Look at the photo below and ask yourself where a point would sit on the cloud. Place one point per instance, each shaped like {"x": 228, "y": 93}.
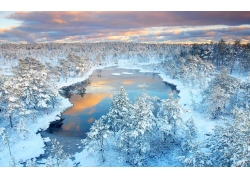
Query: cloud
{"x": 88, "y": 26}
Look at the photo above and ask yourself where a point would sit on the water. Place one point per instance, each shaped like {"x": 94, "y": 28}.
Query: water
{"x": 92, "y": 100}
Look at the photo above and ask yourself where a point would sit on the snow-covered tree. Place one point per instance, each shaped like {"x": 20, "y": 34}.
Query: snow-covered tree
{"x": 216, "y": 102}
{"x": 1, "y": 93}
{"x": 22, "y": 128}
{"x": 120, "y": 110}
{"x": 169, "y": 117}
{"x": 58, "y": 157}
{"x": 196, "y": 157}
{"x": 96, "y": 140}
{"x": 34, "y": 78}
{"x": 5, "y": 139}
{"x": 13, "y": 162}
{"x": 229, "y": 144}
{"x": 140, "y": 131}
{"x": 190, "y": 135}
{"x": 216, "y": 96}
{"x": 65, "y": 68}
{"x": 31, "y": 163}
{"x": 12, "y": 95}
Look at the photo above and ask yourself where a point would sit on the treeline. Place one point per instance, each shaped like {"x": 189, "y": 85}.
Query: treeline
{"x": 221, "y": 54}
{"x": 234, "y": 56}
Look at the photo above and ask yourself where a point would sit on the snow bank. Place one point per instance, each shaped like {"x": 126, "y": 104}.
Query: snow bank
{"x": 33, "y": 145}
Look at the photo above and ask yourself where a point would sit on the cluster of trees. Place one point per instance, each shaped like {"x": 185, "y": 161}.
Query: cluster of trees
{"x": 228, "y": 146}
{"x": 103, "y": 52}
{"x": 234, "y": 56}
{"x": 28, "y": 92}
{"x": 191, "y": 70}
{"x": 137, "y": 133}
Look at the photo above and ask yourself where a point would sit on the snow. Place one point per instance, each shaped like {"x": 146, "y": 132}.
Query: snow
{"x": 126, "y": 73}
{"x": 47, "y": 139}
{"x": 116, "y": 74}
{"x": 33, "y": 145}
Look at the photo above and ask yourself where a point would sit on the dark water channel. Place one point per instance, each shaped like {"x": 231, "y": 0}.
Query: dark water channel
{"x": 91, "y": 100}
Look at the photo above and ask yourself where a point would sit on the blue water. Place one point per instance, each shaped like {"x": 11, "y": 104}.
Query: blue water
{"x": 96, "y": 101}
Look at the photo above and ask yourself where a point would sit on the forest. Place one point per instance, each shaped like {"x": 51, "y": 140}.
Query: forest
{"x": 214, "y": 84}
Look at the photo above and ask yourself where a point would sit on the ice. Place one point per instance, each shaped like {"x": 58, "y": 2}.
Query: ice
{"x": 116, "y": 74}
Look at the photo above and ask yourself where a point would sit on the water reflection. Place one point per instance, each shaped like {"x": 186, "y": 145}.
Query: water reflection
{"x": 95, "y": 101}
{"x": 87, "y": 101}
{"x": 91, "y": 120}
{"x": 127, "y": 82}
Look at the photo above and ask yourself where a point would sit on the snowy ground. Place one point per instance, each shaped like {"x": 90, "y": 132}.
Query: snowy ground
{"x": 33, "y": 145}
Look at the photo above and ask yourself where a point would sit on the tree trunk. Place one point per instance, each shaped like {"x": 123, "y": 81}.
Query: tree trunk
{"x": 11, "y": 122}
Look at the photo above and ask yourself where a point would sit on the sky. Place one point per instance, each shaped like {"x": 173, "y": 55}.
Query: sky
{"x": 32, "y": 26}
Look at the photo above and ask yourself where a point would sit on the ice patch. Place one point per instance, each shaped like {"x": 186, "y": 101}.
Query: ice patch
{"x": 116, "y": 74}
{"x": 126, "y": 73}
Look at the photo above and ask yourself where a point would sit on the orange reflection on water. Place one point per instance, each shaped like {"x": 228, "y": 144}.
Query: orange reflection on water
{"x": 90, "y": 120}
{"x": 91, "y": 111}
{"x": 87, "y": 101}
{"x": 99, "y": 83}
{"x": 127, "y": 82}
{"x": 72, "y": 125}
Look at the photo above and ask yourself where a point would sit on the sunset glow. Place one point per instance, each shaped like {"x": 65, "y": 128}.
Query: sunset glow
{"x": 125, "y": 26}
{"x": 88, "y": 101}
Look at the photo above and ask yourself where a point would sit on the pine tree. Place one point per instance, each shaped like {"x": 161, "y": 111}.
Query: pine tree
{"x": 31, "y": 163}
{"x": 22, "y": 128}
{"x": 190, "y": 135}
{"x": 216, "y": 96}
{"x": 119, "y": 111}
{"x": 196, "y": 157}
{"x": 34, "y": 78}
{"x": 5, "y": 139}
{"x": 141, "y": 130}
{"x": 216, "y": 102}
{"x": 12, "y": 95}
{"x": 58, "y": 157}
{"x": 65, "y": 68}
{"x": 96, "y": 139}
{"x": 169, "y": 115}
{"x": 229, "y": 144}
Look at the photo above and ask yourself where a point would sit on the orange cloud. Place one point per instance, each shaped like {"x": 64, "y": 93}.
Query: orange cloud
{"x": 88, "y": 100}
{"x": 211, "y": 33}
{"x": 2, "y": 30}
{"x": 133, "y": 33}
{"x": 177, "y": 31}
{"x": 7, "y": 29}
{"x": 59, "y": 21}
